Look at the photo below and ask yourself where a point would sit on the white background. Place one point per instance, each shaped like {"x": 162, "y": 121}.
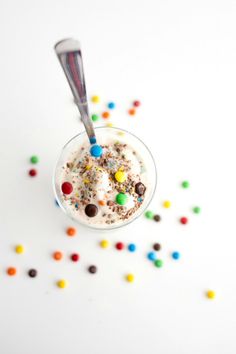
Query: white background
{"x": 178, "y": 58}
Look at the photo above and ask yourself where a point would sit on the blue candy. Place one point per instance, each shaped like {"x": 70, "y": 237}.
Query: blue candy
{"x": 111, "y": 105}
{"x": 96, "y": 151}
{"x": 132, "y": 247}
{"x": 151, "y": 256}
{"x": 176, "y": 255}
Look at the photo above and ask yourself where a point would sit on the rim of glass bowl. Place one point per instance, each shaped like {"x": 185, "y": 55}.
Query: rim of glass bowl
{"x": 111, "y": 226}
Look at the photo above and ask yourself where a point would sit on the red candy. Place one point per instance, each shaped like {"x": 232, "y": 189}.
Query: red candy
{"x": 137, "y": 103}
{"x": 120, "y": 246}
{"x": 75, "y": 257}
{"x": 184, "y": 220}
{"x": 32, "y": 172}
{"x": 66, "y": 188}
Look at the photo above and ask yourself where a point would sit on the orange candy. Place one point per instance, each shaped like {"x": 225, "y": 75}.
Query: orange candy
{"x": 105, "y": 115}
{"x": 57, "y": 255}
{"x": 102, "y": 202}
{"x": 71, "y": 231}
{"x": 132, "y": 111}
{"x": 11, "y": 271}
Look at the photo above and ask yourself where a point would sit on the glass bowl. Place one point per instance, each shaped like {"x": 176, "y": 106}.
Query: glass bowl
{"x": 102, "y": 133}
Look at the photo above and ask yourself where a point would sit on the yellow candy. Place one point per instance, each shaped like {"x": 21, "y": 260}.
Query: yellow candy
{"x": 130, "y": 278}
{"x": 95, "y": 99}
{"x": 62, "y": 284}
{"x": 104, "y": 243}
{"x": 86, "y": 181}
{"x": 109, "y": 125}
{"x": 120, "y": 133}
{"x": 210, "y": 294}
{"x": 120, "y": 176}
{"x": 19, "y": 249}
{"x": 167, "y": 204}
{"x": 88, "y": 167}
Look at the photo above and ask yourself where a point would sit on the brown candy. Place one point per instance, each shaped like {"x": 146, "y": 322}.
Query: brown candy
{"x": 140, "y": 188}
{"x": 92, "y": 269}
{"x": 157, "y": 246}
{"x": 157, "y": 218}
{"x": 91, "y": 210}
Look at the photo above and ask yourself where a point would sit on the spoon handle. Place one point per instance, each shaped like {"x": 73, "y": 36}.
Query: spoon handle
{"x": 70, "y": 56}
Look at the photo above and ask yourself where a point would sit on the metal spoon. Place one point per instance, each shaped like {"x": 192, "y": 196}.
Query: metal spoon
{"x": 70, "y": 57}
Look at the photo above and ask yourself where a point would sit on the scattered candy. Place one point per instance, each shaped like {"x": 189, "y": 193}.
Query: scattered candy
{"x": 74, "y": 257}
{"x": 176, "y": 255}
{"x": 71, "y": 231}
{"x": 96, "y": 151}
{"x": 149, "y": 214}
{"x": 92, "y": 140}
{"x": 157, "y": 246}
{"x": 19, "y": 249}
{"x": 132, "y": 111}
{"x": 32, "y": 273}
{"x": 34, "y": 159}
{"x": 67, "y": 188}
{"x": 136, "y": 103}
{"x": 196, "y": 210}
{"x": 140, "y": 188}
{"x": 102, "y": 202}
{"x": 92, "y": 269}
{"x": 95, "y": 117}
{"x": 119, "y": 246}
{"x": 104, "y": 243}
{"x": 11, "y": 271}
{"x": 120, "y": 176}
{"x": 185, "y": 184}
{"x": 158, "y": 263}
{"x": 95, "y": 99}
{"x": 62, "y": 283}
{"x": 210, "y": 294}
{"x": 32, "y": 172}
{"x": 109, "y": 125}
{"x": 105, "y": 115}
{"x": 132, "y": 247}
{"x": 121, "y": 199}
{"x": 91, "y": 210}
{"x": 183, "y": 220}
{"x": 151, "y": 256}
{"x": 130, "y": 278}
{"x": 111, "y": 105}
{"x": 166, "y": 204}
{"x": 157, "y": 218}
{"x": 57, "y": 255}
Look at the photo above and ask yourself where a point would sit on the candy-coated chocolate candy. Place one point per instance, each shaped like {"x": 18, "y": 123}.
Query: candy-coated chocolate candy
{"x": 75, "y": 257}
{"x": 130, "y": 278}
{"x": 176, "y": 255}
{"x": 121, "y": 199}
{"x": 119, "y": 246}
{"x": 158, "y": 263}
{"x": 91, "y": 210}
{"x": 157, "y": 218}
{"x": 140, "y": 188}
{"x": 92, "y": 269}
{"x": 105, "y": 115}
{"x": 132, "y": 111}
{"x": 95, "y": 117}
{"x": 132, "y": 247}
{"x": 111, "y": 105}
{"x": 95, "y": 99}
{"x": 11, "y": 271}
{"x": 149, "y": 214}
{"x": 96, "y": 151}
{"x": 67, "y": 188}
{"x": 157, "y": 246}
{"x": 136, "y": 103}
{"x": 185, "y": 184}
{"x": 210, "y": 294}
{"x": 34, "y": 159}
{"x": 183, "y": 220}
{"x": 57, "y": 255}
{"x": 196, "y": 210}
{"x": 120, "y": 176}
{"x": 151, "y": 256}
{"x": 71, "y": 231}
{"x": 62, "y": 283}
{"x": 104, "y": 243}
{"x": 166, "y": 204}
{"x": 33, "y": 172}
{"x": 19, "y": 249}
{"x": 32, "y": 273}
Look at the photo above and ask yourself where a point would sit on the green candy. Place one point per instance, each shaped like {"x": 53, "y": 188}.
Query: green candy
{"x": 34, "y": 159}
{"x": 185, "y": 184}
{"x": 121, "y": 199}
{"x": 149, "y": 214}
{"x": 158, "y": 263}
{"x": 95, "y": 117}
{"x": 196, "y": 210}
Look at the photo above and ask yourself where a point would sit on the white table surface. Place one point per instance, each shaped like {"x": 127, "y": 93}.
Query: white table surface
{"x": 178, "y": 58}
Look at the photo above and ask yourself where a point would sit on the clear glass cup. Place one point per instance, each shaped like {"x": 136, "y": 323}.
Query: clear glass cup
{"x": 102, "y": 133}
